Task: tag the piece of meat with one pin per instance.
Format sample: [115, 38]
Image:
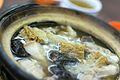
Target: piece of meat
[33, 67]
[36, 51]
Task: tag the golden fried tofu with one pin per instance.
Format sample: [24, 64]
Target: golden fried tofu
[102, 61]
[76, 50]
[35, 34]
[98, 59]
[94, 56]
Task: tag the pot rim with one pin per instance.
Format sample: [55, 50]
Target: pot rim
[16, 71]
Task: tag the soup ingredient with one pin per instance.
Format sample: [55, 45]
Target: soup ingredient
[71, 32]
[72, 49]
[63, 55]
[89, 75]
[67, 31]
[107, 70]
[37, 52]
[60, 72]
[49, 29]
[93, 48]
[32, 67]
[55, 39]
[53, 55]
[61, 59]
[35, 34]
[98, 58]
[18, 48]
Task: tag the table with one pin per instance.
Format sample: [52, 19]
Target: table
[110, 10]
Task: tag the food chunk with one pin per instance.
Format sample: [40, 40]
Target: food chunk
[71, 32]
[76, 50]
[55, 39]
[98, 58]
[37, 52]
[32, 67]
[35, 34]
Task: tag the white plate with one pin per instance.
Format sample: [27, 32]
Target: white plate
[97, 6]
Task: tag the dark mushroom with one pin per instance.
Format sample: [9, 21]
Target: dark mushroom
[60, 62]
[18, 48]
[60, 72]
[61, 59]
[54, 55]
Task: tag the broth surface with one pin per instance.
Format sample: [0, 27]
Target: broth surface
[58, 52]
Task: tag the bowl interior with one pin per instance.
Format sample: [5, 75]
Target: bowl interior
[85, 24]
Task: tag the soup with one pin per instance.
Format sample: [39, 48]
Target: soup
[59, 52]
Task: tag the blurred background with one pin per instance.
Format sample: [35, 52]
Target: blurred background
[110, 8]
